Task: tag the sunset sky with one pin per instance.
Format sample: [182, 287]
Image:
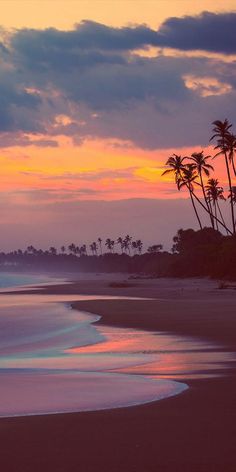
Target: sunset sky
[95, 96]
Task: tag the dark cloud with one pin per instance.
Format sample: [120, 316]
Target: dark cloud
[214, 32]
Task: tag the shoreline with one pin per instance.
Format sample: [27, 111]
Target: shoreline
[193, 431]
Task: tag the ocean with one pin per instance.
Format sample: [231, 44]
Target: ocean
[57, 359]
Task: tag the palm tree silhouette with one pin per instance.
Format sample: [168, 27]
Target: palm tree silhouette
[214, 194]
[188, 177]
[134, 246]
[139, 246]
[222, 133]
[202, 167]
[127, 243]
[110, 244]
[72, 248]
[176, 166]
[94, 248]
[121, 243]
[100, 244]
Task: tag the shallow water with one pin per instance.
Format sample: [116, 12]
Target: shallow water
[55, 359]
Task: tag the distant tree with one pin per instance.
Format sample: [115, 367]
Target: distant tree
[83, 250]
[94, 248]
[30, 249]
[134, 246]
[110, 244]
[100, 245]
[121, 243]
[72, 248]
[139, 246]
[155, 248]
[63, 249]
[126, 243]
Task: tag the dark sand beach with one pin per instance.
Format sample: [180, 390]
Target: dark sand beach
[194, 431]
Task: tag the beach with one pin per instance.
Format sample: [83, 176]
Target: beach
[193, 431]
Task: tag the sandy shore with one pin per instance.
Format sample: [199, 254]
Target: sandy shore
[195, 431]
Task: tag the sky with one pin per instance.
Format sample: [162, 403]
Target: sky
[94, 97]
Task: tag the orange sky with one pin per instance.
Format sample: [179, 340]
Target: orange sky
[62, 14]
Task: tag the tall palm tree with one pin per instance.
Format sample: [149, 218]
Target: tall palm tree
[214, 194]
[188, 177]
[176, 166]
[201, 166]
[221, 131]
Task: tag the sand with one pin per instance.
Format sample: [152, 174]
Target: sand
[194, 431]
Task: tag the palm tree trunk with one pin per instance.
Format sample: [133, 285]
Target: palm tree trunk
[231, 192]
[215, 218]
[233, 164]
[217, 227]
[209, 203]
[205, 198]
[194, 207]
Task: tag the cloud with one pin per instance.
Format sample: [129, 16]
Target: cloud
[93, 76]
[213, 32]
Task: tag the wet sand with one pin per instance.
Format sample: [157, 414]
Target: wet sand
[194, 431]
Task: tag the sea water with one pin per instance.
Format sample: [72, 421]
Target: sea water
[55, 359]
[9, 279]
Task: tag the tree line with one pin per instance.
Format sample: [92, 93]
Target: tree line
[126, 245]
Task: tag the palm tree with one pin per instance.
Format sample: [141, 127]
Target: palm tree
[155, 248]
[202, 167]
[139, 246]
[93, 246]
[30, 249]
[110, 244]
[100, 244]
[134, 246]
[221, 133]
[188, 178]
[121, 243]
[72, 248]
[126, 243]
[214, 194]
[176, 166]
[63, 249]
[83, 250]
